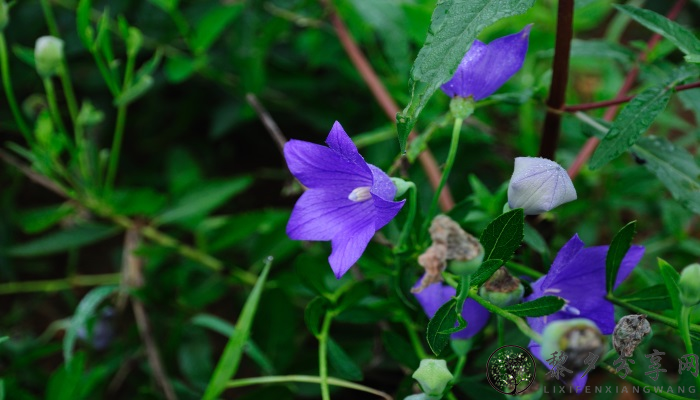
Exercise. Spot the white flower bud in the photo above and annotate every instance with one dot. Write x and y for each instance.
(48, 54)
(539, 185)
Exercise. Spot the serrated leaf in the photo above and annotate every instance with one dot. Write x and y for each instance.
(540, 307)
(503, 235)
(485, 271)
(57, 242)
(675, 168)
(86, 308)
(618, 248)
(314, 313)
(652, 298)
(683, 38)
(629, 126)
(671, 277)
(343, 365)
(454, 26)
(444, 319)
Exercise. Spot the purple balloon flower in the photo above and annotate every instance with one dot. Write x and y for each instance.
(578, 276)
(347, 200)
(434, 296)
(486, 67)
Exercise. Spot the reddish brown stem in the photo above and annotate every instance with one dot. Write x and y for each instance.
(560, 79)
(387, 103)
(608, 103)
(591, 144)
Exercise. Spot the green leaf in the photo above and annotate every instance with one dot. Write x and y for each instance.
(178, 68)
(136, 90)
(314, 313)
(200, 201)
(596, 49)
(228, 363)
(675, 168)
(683, 38)
(692, 58)
(86, 308)
(651, 298)
(485, 271)
(66, 381)
(618, 248)
(632, 122)
(671, 278)
(535, 240)
(61, 241)
(444, 319)
(454, 26)
(212, 25)
(343, 365)
(40, 219)
(400, 350)
(226, 328)
(540, 307)
(357, 292)
(503, 235)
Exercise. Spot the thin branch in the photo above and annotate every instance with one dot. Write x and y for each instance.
(591, 144)
(608, 103)
(560, 79)
(385, 100)
(272, 128)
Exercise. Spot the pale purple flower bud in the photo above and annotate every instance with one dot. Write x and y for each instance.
(539, 185)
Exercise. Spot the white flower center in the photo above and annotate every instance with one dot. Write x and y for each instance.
(360, 194)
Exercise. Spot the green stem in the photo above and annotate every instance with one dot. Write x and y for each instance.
(461, 362)
(413, 337)
(57, 285)
(684, 327)
(412, 204)
(322, 358)
(53, 105)
(500, 328)
(519, 322)
(456, 129)
(119, 128)
(637, 382)
(9, 93)
(522, 269)
(651, 315)
(305, 379)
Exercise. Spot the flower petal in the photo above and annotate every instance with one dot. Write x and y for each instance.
(339, 141)
(352, 238)
(320, 214)
(385, 211)
(485, 68)
(382, 185)
(318, 166)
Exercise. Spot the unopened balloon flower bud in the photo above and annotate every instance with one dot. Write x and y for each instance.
(629, 332)
(539, 185)
(48, 56)
(433, 377)
(502, 289)
(577, 338)
(402, 186)
(689, 285)
(4, 15)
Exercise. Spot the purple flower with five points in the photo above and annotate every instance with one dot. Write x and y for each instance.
(347, 200)
(486, 67)
(435, 295)
(578, 276)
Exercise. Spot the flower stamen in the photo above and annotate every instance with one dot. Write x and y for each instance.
(361, 193)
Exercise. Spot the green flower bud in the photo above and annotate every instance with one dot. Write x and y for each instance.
(48, 54)
(462, 108)
(502, 289)
(4, 15)
(433, 377)
(468, 267)
(689, 285)
(402, 186)
(576, 338)
(419, 396)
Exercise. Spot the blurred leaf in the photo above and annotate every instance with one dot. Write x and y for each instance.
(194, 357)
(503, 235)
(357, 292)
(454, 26)
(678, 35)
(223, 232)
(25, 54)
(540, 307)
(86, 309)
(444, 319)
(533, 239)
(212, 25)
(183, 171)
(485, 271)
(314, 274)
(314, 313)
(400, 350)
(618, 248)
(133, 92)
(136, 201)
(167, 5)
(64, 240)
(65, 382)
(671, 278)
(632, 122)
(204, 199)
(228, 363)
(39, 219)
(226, 328)
(597, 49)
(344, 366)
(651, 298)
(675, 168)
(179, 68)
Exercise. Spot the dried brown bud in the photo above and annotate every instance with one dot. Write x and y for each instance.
(629, 332)
(502, 288)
